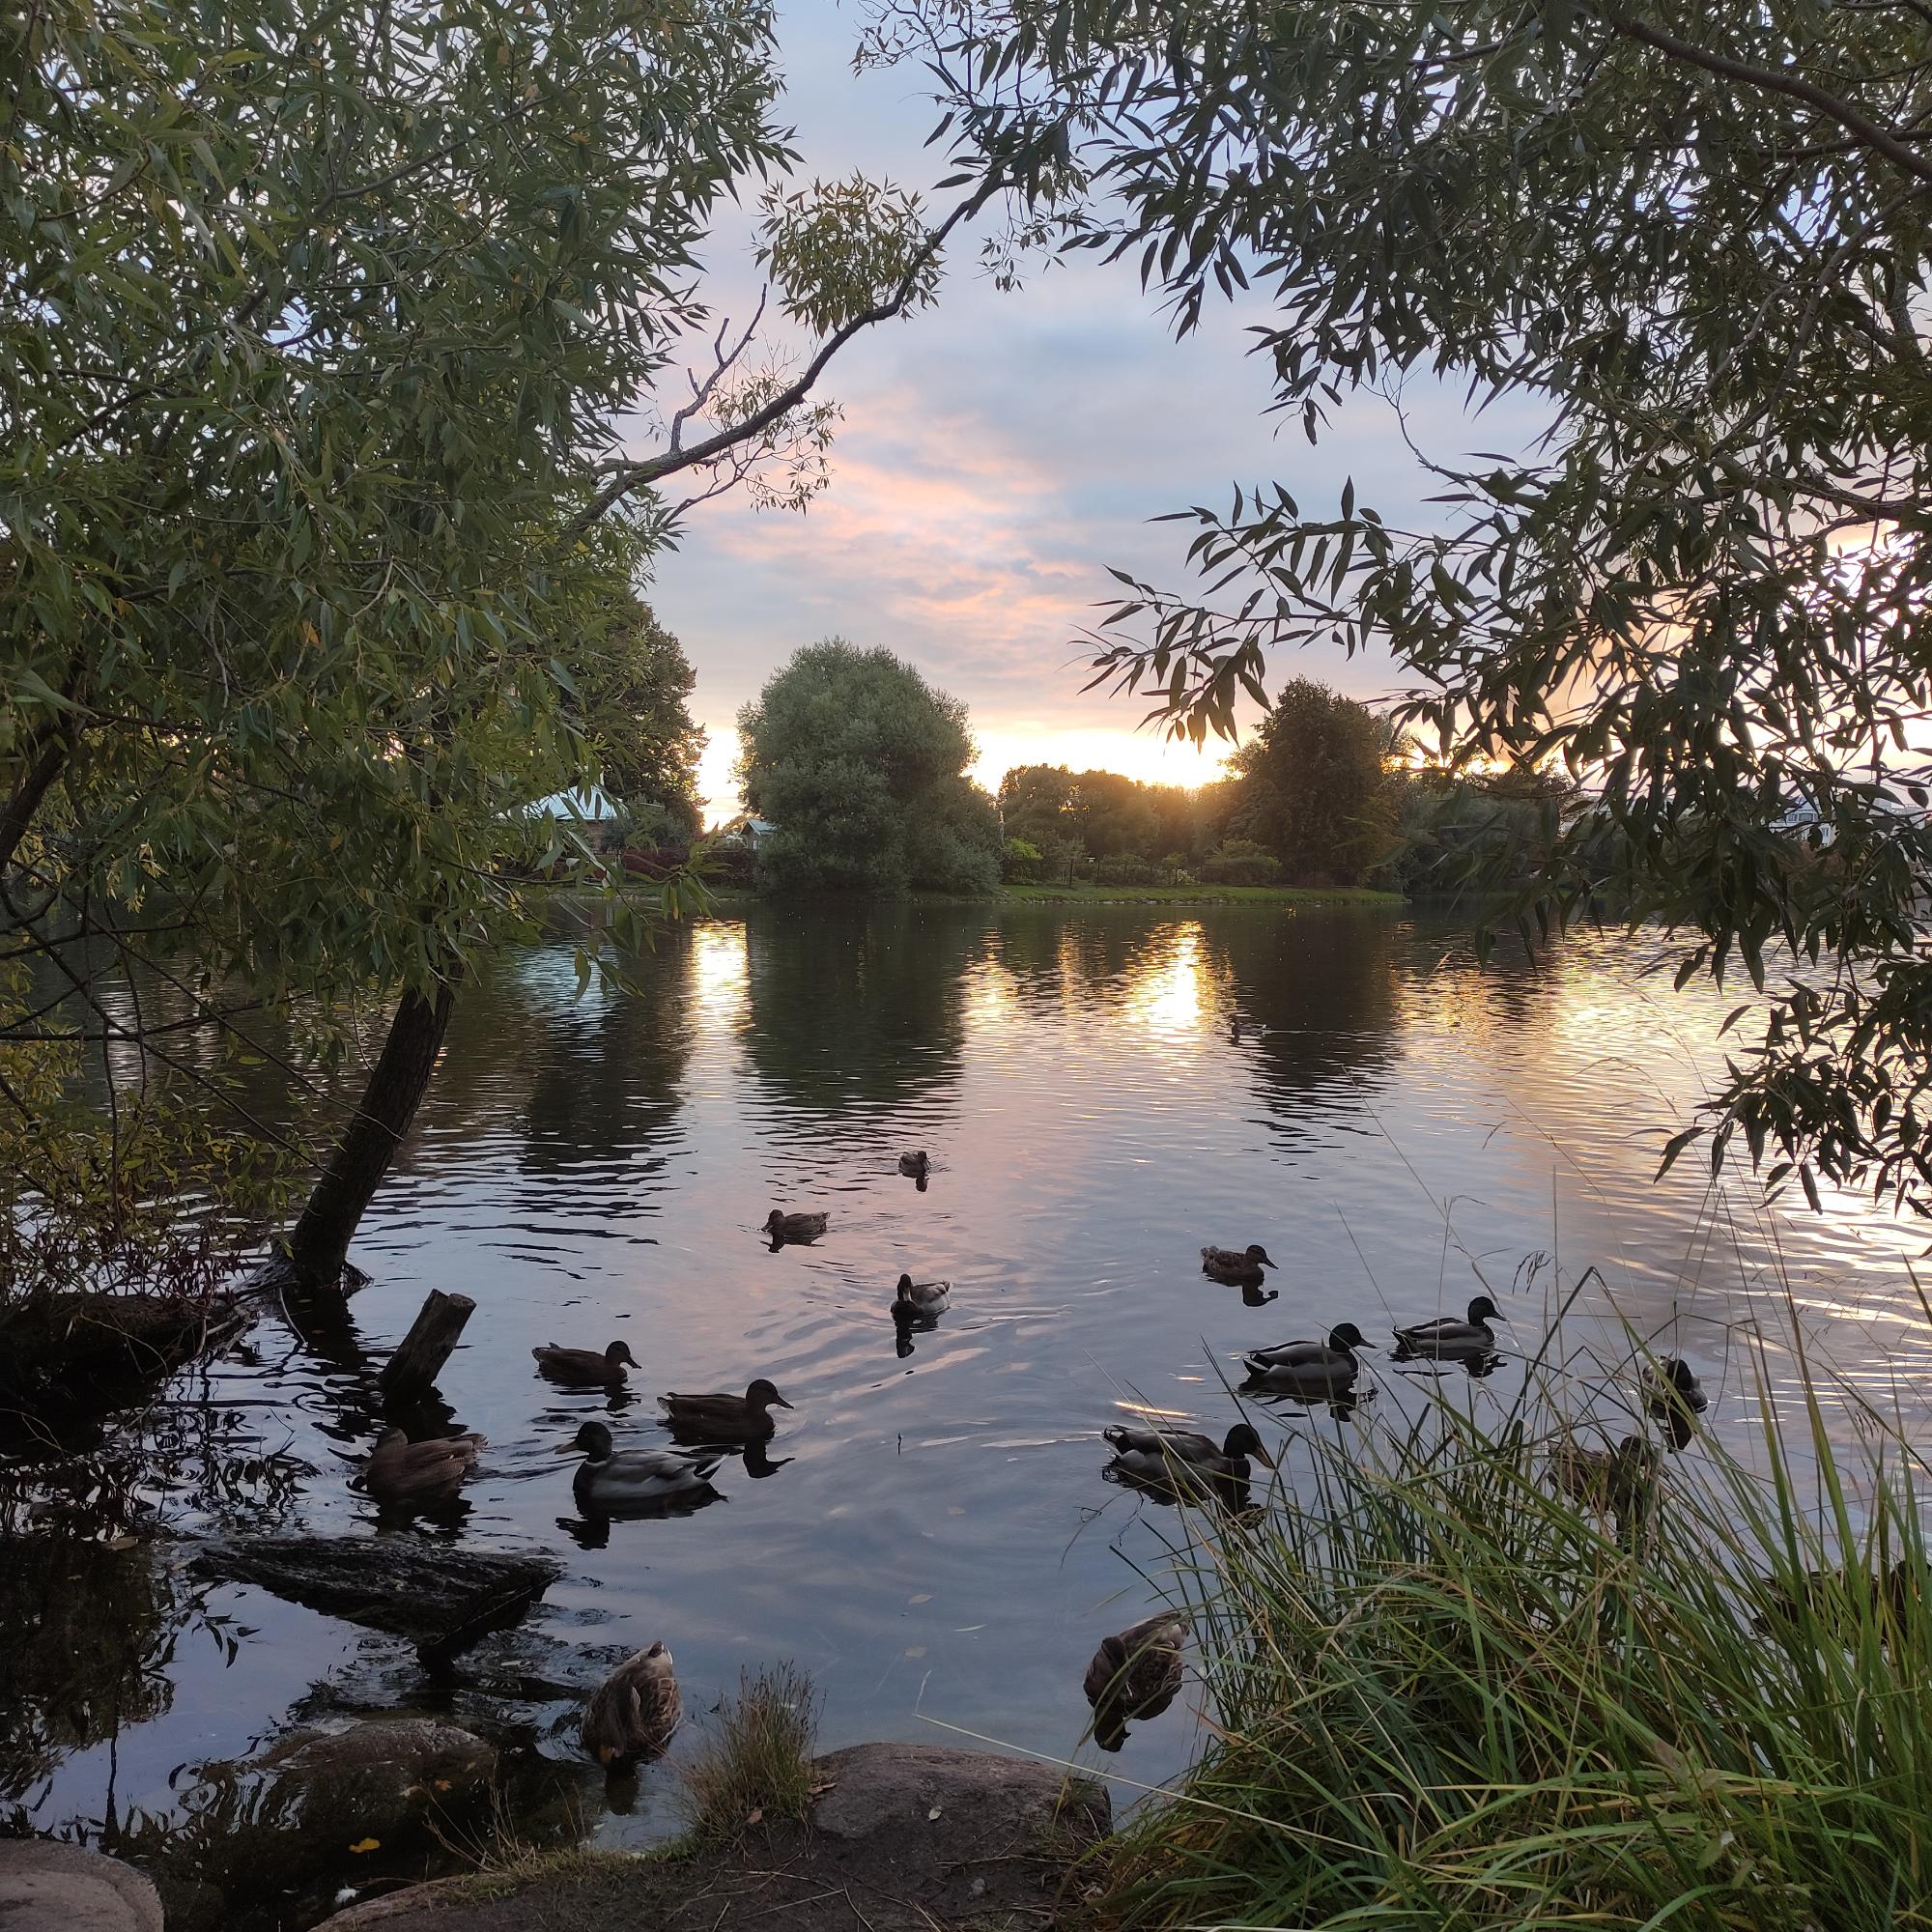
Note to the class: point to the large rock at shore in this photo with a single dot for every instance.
(50, 1887)
(904, 1838)
(437, 1597)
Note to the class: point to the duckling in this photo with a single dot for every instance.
(1134, 1675)
(917, 1165)
(1234, 1268)
(610, 1479)
(724, 1418)
(1613, 1479)
(1155, 1452)
(920, 1300)
(1447, 1340)
(584, 1368)
(403, 1475)
(634, 1711)
(1675, 1396)
(801, 1228)
(1312, 1370)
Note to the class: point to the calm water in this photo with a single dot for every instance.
(933, 1541)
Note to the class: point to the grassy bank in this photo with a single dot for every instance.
(1445, 1695)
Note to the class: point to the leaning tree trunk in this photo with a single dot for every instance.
(319, 1248)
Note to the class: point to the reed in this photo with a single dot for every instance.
(755, 1766)
(1445, 1694)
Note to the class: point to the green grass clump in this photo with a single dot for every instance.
(755, 1766)
(1446, 1697)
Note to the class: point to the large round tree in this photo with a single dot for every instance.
(861, 765)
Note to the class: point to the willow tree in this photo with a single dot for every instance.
(317, 325)
(1690, 244)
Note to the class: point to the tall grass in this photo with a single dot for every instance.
(1445, 1695)
(755, 1766)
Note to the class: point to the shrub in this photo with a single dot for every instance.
(655, 861)
(1124, 869)
(724, 862)
(757, 1765)
(1022, 861)
(1239, 862)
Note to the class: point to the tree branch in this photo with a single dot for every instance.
(1773, 80)
(635, 476)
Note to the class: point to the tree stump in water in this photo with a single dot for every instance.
(432, 1335)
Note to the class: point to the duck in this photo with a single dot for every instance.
(801, 1228)
(1234, 1266)
(1316, 1369)
(610, 1479)
(1155, 1452)
(1603, 1478)
(917, 1165)
(1447, 1340)
(724, 1418)
(1135, 1674)
(1675, 1396)
(400, 1473)
(634, 1711)
(585, 1367)
(920, 1300)
(1223, 1481)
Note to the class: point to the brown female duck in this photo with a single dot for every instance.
(584, 1368)
(1136, 1674)
(634, 1711)
(798, 1228)
(724, 1418)
(403, 1475)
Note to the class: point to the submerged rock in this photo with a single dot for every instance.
(374, 1777)
(51, 1887)
(437, 1597)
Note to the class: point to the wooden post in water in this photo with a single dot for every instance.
(432, 1335)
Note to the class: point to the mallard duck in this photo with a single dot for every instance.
(1603, 1478)
(1223, 1483)
(917, 1165)
(801, 1228)
(1153, 1452)
(400, 1473)
(1673, 1394)
(1842, 1599)
(920, 1300)
(1134, 1675)
(724, 1418)
(633, 1713)
(585, 1367)
(1313, 1369)
(1447, 1340)
(1234, 1266)
(610, 1479)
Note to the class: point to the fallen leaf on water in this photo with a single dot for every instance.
(366, 1845)
(924, 1597)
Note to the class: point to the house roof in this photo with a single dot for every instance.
(586, 802)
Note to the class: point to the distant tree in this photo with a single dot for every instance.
(631, 681)
(1111, 815)
(862, 767)
(1313, 789)
(1033, 803)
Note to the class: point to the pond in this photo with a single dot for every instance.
(929, 1536)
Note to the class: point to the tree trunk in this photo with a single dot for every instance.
(419, 1361)
(320, 1244)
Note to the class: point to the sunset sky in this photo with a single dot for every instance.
(998, 453)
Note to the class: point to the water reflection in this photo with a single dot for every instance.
(1101, 1091)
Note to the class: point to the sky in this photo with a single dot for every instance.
(998, 453)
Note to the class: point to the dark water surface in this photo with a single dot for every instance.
(932, 1539)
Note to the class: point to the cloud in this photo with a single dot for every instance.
(999, 454)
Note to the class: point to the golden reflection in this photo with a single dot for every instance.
(1148, 1409)
(719, 970)
(986, 996)
(1171, 990)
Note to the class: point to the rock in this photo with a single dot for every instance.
(51, 1887)
(374, 1779)
(952, 1807)
(440, 1598)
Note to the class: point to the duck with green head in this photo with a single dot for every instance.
(1448, 1339)
(1314, 1370)
(611, 1480)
